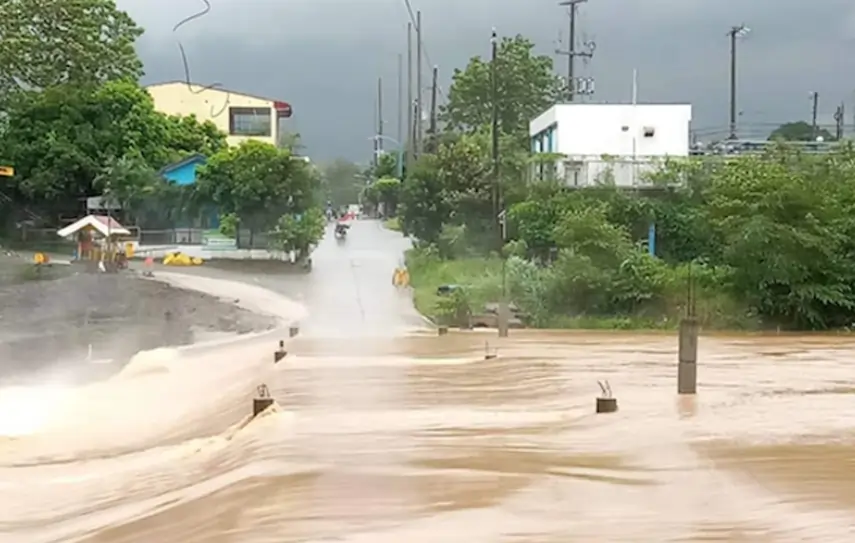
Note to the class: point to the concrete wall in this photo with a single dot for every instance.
(179, 98)
(206, 252)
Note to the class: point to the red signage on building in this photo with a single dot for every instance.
(283, 109)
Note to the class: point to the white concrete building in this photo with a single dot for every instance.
(610, 143)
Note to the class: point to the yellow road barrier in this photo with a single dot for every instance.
(401, 277)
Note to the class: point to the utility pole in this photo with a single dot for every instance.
(734, 33)
(432, 143)
(413, 111)
(571, 52)
(410, 141)
(379, 118)
(375, 141)
(495, 125)
(814, 97)
(419, 107)
(399, 134)
(498, 214)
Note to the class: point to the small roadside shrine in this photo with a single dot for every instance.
(99, 240)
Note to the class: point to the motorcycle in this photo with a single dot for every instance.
(341, 231)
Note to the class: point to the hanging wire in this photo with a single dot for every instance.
(187, 79)
(413, 20)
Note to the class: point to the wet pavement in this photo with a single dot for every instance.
(388, 433)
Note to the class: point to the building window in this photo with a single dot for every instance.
(250, 121)
(575, 173)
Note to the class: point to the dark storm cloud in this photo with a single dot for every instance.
(324, 56)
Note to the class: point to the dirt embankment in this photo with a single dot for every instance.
(48, 326)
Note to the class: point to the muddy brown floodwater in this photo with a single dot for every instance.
(404, 436)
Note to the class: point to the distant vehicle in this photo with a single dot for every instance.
(341, 229)
(354, 211)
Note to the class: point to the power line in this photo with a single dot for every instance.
(413, 21)
(206, 9)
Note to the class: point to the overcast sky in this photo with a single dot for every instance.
(324, 56)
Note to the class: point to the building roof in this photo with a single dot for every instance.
(106, 226)
(217, 88)
(192, 159)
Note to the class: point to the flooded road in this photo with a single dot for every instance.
(386, 433)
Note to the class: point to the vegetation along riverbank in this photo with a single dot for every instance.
(768, 238)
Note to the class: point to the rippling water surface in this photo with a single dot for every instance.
(416, 438)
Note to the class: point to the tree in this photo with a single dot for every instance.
(145, 197)
(387, 166)
(342, 182)
(526, 87)
(258, 183)
(799, 131)
(425, 202)
(786, 220)
(385, 191)
(290, 140)
(46, 43)
(298, 232)
(185, 135)
(63, 138)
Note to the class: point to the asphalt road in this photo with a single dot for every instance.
(349, 292)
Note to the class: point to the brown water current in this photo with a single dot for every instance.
(384, 433)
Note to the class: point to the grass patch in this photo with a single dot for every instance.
(393, 224)
(481, 278)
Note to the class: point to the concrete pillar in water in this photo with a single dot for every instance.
(280, 353)
(687, 356)
(606, 405)
(260, 404)
(262, 401)
(606, 402)
(504, 318)
(489, 355)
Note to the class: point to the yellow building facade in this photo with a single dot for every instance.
(241, 116)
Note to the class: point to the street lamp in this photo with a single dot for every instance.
(734, 33)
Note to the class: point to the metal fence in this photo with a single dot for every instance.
(48, 236)
(172, 236)
(624, 172)
(247, 240)
(583, 171)
(203, 237)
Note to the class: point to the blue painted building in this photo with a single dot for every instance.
(184, 173)
(546, 140)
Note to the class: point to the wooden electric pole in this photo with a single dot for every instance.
(379, 118)
(410, 141)
(419, 91)
(432, 141)
(814, 112)
(839, 117)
